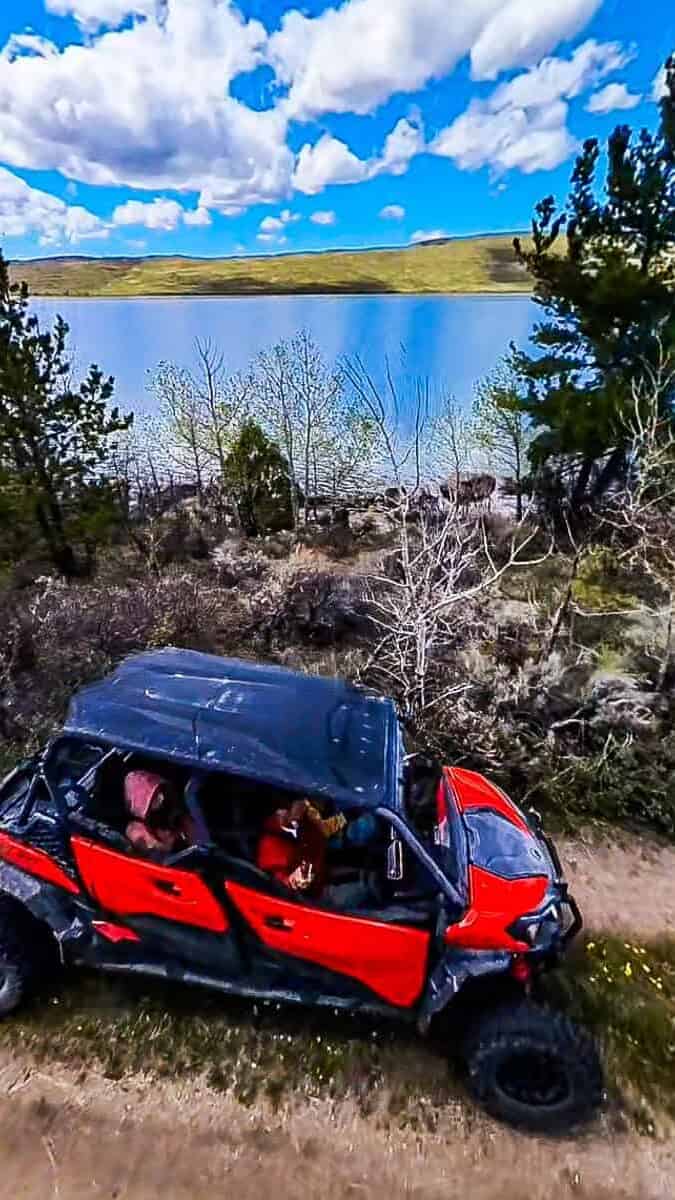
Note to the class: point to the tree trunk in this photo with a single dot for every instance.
(579, 493)
(60, 551)
(519, 486)
(664, 669)
(609, 472)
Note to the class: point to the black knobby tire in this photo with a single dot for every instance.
(534, 1068)
(16, 960)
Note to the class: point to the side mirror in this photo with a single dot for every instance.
(395, 859)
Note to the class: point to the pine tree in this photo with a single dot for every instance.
(604, 272)
(54, 438)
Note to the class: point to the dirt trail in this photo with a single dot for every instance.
(625, 886)
(71, 1138)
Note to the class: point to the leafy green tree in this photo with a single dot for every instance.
(55, 439)
(502, 428)
(257, 475)
(603, 273)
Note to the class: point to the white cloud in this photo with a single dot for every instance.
(523, 124)
(159, 214)
(275, 225)
(272, 239)
(271, 225)
(561, 78)
(271, 228)
(28, 45)
(659, 86)
(197, 216)
(392, 212)
(403, 143)
(323, 218)
(520, 32)
(25, 210)
(409, 43)
(92, 14)
(511, 138)
(611, 98)
(428, 235)
(148, 107)
(330, 161)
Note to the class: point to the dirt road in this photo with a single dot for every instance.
(625, 886)
(74, 1139)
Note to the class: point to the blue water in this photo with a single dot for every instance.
(451, 340)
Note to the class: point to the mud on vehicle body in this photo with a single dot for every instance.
(467, 902)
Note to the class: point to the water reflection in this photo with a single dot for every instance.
(453, 340)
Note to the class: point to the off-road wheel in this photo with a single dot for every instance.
(17, 959)
(533, 1068)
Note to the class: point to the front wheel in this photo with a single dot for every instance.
(534, 1068)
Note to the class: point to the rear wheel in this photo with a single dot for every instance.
(19, 959)
(534, 1068)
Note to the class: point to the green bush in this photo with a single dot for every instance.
(258, 478)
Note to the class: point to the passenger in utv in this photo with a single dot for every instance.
(159, 822)
(293, 849)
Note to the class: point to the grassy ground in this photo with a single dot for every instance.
(464, 265)
(623, 991)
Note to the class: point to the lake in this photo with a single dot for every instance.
(451, 340)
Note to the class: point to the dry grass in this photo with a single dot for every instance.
(484, 264)
(63, 1135)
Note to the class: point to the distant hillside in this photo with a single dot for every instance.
(477, 264)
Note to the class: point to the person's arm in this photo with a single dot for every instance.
(329, 826)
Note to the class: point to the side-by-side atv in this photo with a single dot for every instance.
(452, 902)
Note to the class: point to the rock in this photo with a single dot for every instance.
(619, 702)
(27, 572)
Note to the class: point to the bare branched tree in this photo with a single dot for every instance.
(326, 438)
(398, 433)
(180, 415)
(200, 412)
(423, 599)
(641, 516)
(503, 430)
(454, 439)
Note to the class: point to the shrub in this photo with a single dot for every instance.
(239, 568)
(257, 475)
(312, 605)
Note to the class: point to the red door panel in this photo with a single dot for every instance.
(35, 862)
(389, 959)
(131, 886)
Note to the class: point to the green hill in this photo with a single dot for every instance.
(481, 264)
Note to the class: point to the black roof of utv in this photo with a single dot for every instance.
(303, 732)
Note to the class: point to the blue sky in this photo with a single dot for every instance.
(206, 127)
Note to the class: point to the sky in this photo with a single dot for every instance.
(208, 127)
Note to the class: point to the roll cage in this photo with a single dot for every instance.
(72, 803)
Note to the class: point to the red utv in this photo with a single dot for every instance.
(462, 903)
